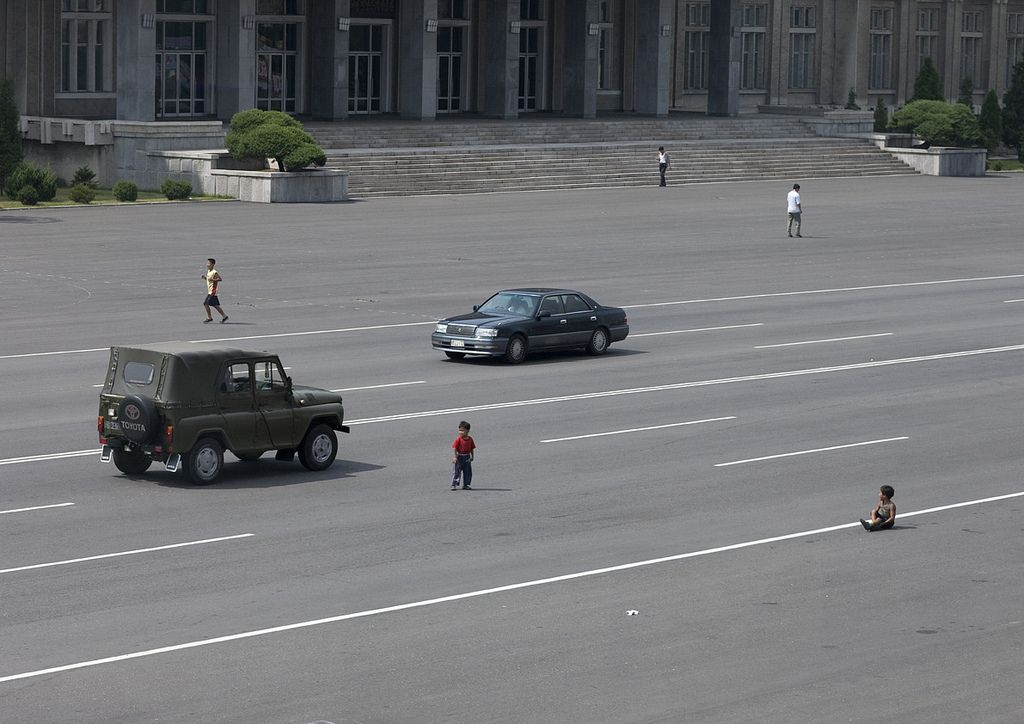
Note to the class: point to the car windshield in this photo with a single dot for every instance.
(510, 303)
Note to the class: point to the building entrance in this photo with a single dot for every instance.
(276, 74)
(531, 68)
(181, 69)
(367, 68)
(451, 46)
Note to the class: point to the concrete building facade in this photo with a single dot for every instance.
(194, 60)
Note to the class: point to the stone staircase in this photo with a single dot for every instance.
(481, 155)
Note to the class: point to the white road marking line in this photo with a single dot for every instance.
(1011, 301)
(825, 291)
(35, 507)
(685, 385)
(125, 553)
(477, 594)
(639, 429)
(312, 332)
(819, 341)
(51, 456)
(808, 452)
(701, 329)
(52, 354)
(377, 387)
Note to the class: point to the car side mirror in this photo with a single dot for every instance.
(541, 315)
(288, 383)
(476, 307)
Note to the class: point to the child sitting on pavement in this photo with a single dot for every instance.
(883, 515)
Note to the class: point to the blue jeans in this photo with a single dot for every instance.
(463, 468)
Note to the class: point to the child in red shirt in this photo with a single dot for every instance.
(462, 458)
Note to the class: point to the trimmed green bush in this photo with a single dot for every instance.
(10, 135)
(27, 195)
(928, 85)
(176, 190)
(84, 175)
(997, 166)
(41, 179)
(990, 122)
(938, 123)
(1013, 108)
(125, 191)
(966, 96)
(263, 134)
(881, 116)
(82, 193)
(851, 100)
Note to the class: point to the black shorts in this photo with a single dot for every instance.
(211, 301)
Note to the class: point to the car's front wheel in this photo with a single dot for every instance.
(319, 448)
(516, 350)
(455, 355)
(598, 341)
(131, 462)
(204, 461)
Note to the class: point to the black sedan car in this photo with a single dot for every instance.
(515, 322)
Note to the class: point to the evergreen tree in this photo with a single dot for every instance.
(10, 136)
(1013, 108)
(851, 101)
(881, 116)
(928, 85)
(991, 121)
(966, 96)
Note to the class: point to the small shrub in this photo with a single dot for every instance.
(126, 191)
(41, 179)
(27, 195)
(10, 132)
(991, 121)
(82, 193)
(881, 116)
(997, 166)
(176, 190)
(966, 97)
(851, 100)
(928, 85)
(84, 175)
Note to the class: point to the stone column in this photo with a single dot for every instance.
(653, 57)
(724, 56)
(997, 78)
(850, 50)
(580, 68)
(951, 68)
(500, 58)
(236, 58)
(328, 92)
(906, 23)
(827, 66)
(417, 60)
(136, 53)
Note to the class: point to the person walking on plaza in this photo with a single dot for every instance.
(462, 458)
(883, 515)
(795, 210)
(213, 280)
(664, 164)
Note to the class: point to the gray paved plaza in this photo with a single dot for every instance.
(706, 474)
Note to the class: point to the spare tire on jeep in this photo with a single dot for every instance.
(139, 419)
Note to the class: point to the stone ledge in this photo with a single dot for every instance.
(937, 161)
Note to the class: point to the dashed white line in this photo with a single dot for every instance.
(125, 553)
(639, 429)
(477, 594)
(35, 507)
(836, 290)
(1011, 301)
(313, 332)
(377, 387)
(808, 452)
(54, 354)
(820, 341)
(51, 456)
(700, 329)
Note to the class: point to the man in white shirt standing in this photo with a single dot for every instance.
(663, 164)
(793, 198)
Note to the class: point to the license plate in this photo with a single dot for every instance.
(458, 343)
(113, 426)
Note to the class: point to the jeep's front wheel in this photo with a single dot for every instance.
(204, 461)
(319, 448)
(131, 462)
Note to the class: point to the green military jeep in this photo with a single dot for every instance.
(184, 404)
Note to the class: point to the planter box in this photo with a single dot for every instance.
(217, 173)
(943, 161)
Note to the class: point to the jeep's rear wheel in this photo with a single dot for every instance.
(131, 462)
(319, 448)
(204, 461)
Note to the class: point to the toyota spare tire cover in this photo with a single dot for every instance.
(138, 418)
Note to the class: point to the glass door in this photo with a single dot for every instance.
(530, 68)
(181, 69)
(366, 68)
(276, 56)
(450, 59)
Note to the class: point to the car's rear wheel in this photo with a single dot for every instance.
(319, 448)
(455, 355)
(204, 461)
(598, 341)
(131, 462)
(516, 350)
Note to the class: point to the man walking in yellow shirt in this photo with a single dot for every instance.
(213, 280)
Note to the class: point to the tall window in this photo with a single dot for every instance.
(1014, 42)
(880, 64)
(183, 67)
(971, 37)
(802, 36)
(927, 35)
(753, 38)
(86, 47)
(696, 36)
(609, 67)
